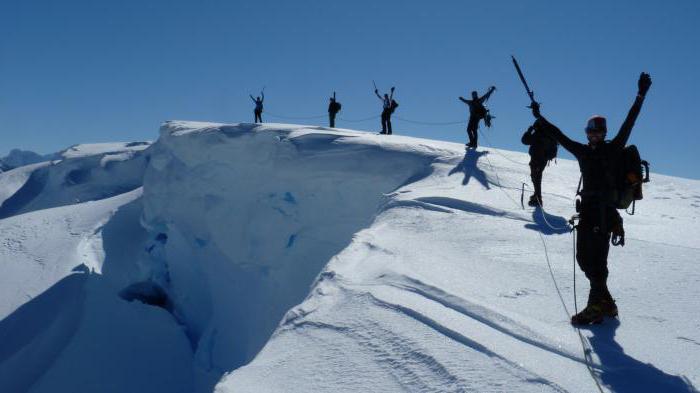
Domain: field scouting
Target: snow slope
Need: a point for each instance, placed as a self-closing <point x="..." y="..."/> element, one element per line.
<point x="297" y="258"/>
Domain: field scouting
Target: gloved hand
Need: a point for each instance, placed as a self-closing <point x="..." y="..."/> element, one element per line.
<point x="493" y="88"/>
<point x="644" y="83"/>
<point x="376" y="91"/>
<point x="535" y="106"/>
<point x="392" y="88"/>
<point x="618" y="235"/>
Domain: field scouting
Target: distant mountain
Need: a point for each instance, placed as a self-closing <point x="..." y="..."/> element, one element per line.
<point x="18" y="158"/>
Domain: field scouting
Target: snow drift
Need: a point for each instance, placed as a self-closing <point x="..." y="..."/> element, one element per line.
<point x="83" y="173"/>
<point x="295" y="258"/>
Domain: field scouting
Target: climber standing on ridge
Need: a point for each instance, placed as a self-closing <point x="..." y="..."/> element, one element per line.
<point x="543" y="148"/>
<point x="598" y="217"/>
<point x="333" y="109"/>
<point x="258" y="106"/>
<point x="389" y="105"/>
<point x="477" y="111"/>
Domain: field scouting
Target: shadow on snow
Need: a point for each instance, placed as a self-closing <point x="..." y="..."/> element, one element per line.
<point x="623" y="373"/>
<point x="470" y="169"/>
<point x="548" y="224"/>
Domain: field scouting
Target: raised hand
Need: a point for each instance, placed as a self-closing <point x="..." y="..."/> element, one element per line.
<point x="644" y="83"/>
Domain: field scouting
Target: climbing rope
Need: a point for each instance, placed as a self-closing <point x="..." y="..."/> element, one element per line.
<point x="449" y="123"/>
<point x="586" y="351"/>
<point x="483" y="135"/>
<point x="294" y="117"/>
<point x="359" y="120"/>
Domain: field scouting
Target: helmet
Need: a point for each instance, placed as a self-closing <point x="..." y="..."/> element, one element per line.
<point x="597" y="123"/>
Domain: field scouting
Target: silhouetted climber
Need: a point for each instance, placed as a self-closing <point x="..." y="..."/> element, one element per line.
<point x="542" y="149"/>
<point x="477" y="111"/>
<point x="333" y="109"/>
<point x="389" y="105"/>
<point x="258" y="106"/>
<point x="599" y="219"/>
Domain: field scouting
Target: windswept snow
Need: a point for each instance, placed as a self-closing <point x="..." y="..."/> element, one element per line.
<point x="86" y="173"/>
<point x="269" y="258"/>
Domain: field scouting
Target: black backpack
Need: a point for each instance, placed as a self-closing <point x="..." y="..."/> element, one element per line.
<point x="393" y="105"/>
<point x="549" y="148"/>
<point x="629" y="174"/>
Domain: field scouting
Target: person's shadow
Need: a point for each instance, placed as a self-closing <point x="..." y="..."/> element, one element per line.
<point x="548" y="224"/>
<point x="470" y="169"/>
<point x="622" y="373"/>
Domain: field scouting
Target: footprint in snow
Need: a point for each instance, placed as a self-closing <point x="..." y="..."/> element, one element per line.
<point x="518" y="293"/>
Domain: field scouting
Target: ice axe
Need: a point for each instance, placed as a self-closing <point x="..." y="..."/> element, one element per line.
<point x="530" y="93"/>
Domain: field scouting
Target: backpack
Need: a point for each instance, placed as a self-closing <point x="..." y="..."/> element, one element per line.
<point x="335" y="107"/>
<point x="393" y="106"/>
<point x="480" y="110"/>
<point x="549" y="148"/>
<point x="630" y="172"/>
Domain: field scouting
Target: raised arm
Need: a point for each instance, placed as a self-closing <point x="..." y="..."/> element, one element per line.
<point x="251" y="97"/>
<point x="555" y="133"/>
<point x="464" y="100"/>
<point x="262" y="96"/>
<point x="378" y="95"/>
<point x="486" y="96"/>
<point x="391" y="95"/>
<point x="626" y="129"/>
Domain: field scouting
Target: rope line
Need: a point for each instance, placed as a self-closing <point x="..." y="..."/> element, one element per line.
<point x="359" y="120"/>
<point x="427" y="123"/>
<point x="483" y="135"/>
<point x="586" y="351"/>
<point x="295" y="117"/>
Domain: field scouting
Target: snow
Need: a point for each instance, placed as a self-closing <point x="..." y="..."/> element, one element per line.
<point x="17" y="158"/>
<point x="293" y="258"/>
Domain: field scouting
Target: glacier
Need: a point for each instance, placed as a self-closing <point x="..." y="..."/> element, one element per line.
<point x="276" y="257"/>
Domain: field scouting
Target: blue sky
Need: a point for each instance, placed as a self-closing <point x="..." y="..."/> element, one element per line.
<point x="96" y="71"/>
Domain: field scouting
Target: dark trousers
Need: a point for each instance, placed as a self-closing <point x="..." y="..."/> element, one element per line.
<point x="592" y="247"/>
<point x="472" y="130"/>
<point x="331" y="119"/>
<point x="536" y="170"/>
<point x="258" y="116"/>
<point x="386" y="122"/>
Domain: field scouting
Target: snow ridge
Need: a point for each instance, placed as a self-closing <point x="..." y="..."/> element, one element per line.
<point x="295" y="258"/>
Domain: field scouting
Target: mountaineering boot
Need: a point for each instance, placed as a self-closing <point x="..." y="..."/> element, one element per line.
<point x="535" y="200"/>
<point x="609" y="308"/>
<point x="592" y="314"/>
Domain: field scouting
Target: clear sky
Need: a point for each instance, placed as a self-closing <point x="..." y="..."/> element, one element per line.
<point x="94" y="71"/>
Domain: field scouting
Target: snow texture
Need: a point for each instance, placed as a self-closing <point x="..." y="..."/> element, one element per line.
<point x="268" y="258"/>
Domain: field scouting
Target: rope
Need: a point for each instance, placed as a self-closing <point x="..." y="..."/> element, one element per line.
<point x="450" y="123"/>
<point x="586" y="351"/>
<point x="573" y="237"/>
<point x="295" y="117"/>
<point x="359" y="120"/>
<point x="483" y="135"/>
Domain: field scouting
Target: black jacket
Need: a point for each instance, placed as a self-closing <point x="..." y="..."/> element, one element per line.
<point x="596" y="163"/>
<point x="542" y="146"/>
